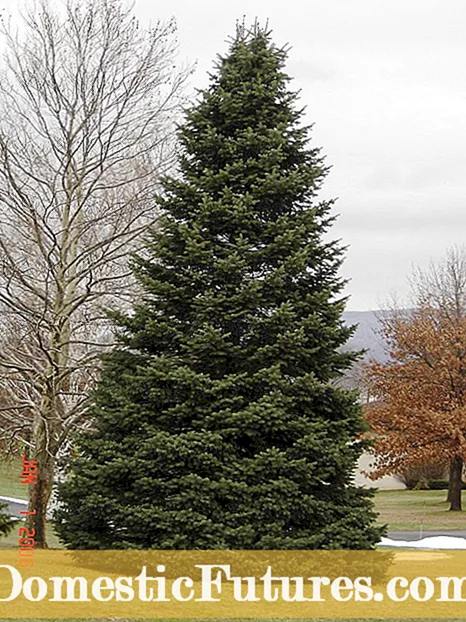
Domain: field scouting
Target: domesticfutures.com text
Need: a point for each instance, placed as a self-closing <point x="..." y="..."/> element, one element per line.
<point x="217" y="580"/>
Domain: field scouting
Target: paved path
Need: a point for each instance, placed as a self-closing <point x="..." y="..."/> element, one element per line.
<point x="414" y="535"/>
<point x="14" y="506"/>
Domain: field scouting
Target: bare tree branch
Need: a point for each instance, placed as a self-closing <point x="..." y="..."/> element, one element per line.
<point x="88" y="103"/>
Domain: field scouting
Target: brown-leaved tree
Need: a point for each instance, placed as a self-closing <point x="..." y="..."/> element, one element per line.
<point x="418" y="410"/>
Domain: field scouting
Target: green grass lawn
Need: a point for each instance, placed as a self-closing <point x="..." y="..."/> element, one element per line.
<point x="11" y="540"/>
<point x="10" y="479"/>
<point x="405" y="509"/>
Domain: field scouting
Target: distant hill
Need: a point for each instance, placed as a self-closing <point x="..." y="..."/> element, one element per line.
<point x="367" y="335"/>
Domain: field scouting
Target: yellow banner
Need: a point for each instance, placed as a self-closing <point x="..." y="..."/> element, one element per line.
<point x="233" y="584"/>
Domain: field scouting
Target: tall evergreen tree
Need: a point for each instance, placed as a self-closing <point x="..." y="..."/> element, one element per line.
<point x="218" y="422"/>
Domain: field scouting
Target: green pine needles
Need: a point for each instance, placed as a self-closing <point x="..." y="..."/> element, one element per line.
<point x="218" y="422"/>
<point x="6" y="522"/>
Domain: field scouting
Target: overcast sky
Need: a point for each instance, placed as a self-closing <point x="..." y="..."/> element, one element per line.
<point x="384" y="83"/>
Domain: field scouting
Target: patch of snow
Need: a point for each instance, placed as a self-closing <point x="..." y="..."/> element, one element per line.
<point x="433" y="542"/>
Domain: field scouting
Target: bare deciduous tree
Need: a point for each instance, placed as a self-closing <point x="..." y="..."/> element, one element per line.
<point x="88" y="101"/>
<point x="443" y="285"/>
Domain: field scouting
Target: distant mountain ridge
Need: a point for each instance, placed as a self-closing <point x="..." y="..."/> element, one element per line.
<point x="367" y="335"/>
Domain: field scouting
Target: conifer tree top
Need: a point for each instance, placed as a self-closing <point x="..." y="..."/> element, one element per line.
<point x="247" y="124"/>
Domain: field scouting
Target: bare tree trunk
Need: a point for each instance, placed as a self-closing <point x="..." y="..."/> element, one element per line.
<point x="39" y="497"/>
<point x="40" y="492"/>
<point x="450" y="480"/>
<point x="454" y="491"/>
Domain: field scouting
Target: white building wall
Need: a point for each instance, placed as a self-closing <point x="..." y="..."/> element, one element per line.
<point x="384" y="483"/>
